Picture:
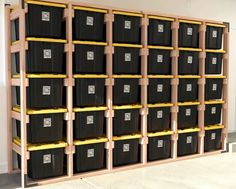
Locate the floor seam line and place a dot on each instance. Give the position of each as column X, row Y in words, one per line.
column 90, row 183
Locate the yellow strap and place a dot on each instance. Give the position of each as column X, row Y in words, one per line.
column 77, row 42
column 164, row 133
column 38, row 76
column 127, row 76
column 215, row 102
column 90, row 9
column 90, row 141
column 189, row 49
column 213, row 127
column 88, row 109
column 127, row 137
column 216, row 25
column 215, row 51
column 42, row 111
column 187, row 103
column 190, row 21
column 46, row 40
column 215, row 76
column 15, row 42
column 160, row 47
column 160, row 105
column 189, row 130
column 127, row 107
column 160, row 76
column 128, row 13
column 45, row 3
column 161, row 18
column 126, row 45
column 189, row 76
column 89, row 76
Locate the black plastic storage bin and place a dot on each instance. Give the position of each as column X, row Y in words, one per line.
column 159, row 147
column 89, row 123
column 89, row 155
column 89, row 59
column 159, row 61
column 159, row 32
column 43, row 93
column 126, row 29
column 188, row 89
column 158, row 119
column 45, row 163
column 213, row 64
column 89, row 92
column 89, row 25
column 126, row 121
column 214, row 37
column 126, row 91
column 126, row 152
column 43, row 57
column 188, row 35
column 126, row 60
column 188, row 63
column 43, row 21
column 212, row 139
column 212, row 114
column 187, row 116
column 213, row 88
column 159, row 90
column 187, row 143
column 43, row 128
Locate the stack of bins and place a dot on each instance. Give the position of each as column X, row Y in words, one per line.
column 159, row 87
column 126, row 89
column 89, row 96
column 213, row 87
column 45, row 69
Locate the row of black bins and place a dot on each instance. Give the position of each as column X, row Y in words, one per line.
column 91, row 155
column 47, row 21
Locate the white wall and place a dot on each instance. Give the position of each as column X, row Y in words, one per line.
column 211, row 9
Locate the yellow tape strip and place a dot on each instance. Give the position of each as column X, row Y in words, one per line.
column 15, row 42
column 164, row 133
column 216, row 25
column 160, row 105
column 90, row 9
column 88, row 109
column 127, row 76
column 189, row 49
column 188, row 76
column 38, row 76
column 90, row 141
column 126, row 45
column 161, row 18
column 127, row 13
column 77, row 42
column 189, row 130
column 127, row 107
column 127, row 137
column 215, row 51
column 215, row 102
column 215, row 76
column 46, row 4
column 89, row 76
column 42, row 111
column 49, row 40
column 187, row 103
column 160, row 47
column 160, row 76
column 190, row 22
column 213, row 127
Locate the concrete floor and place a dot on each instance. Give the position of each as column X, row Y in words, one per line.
column 212, row 172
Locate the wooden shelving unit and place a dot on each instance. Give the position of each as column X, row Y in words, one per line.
column 69, row 82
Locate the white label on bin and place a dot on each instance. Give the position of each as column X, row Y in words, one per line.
column 159, row 58
column 126, row 148
column 188, row 112
column 127, row 57
column 47, row 122
column 214, row 60
column 47, row 53
column 90, row 153
column 91, row 89
column 189, row 139
column 89, row 21
column 214, row 87
column 127, row 116
column 159, row 114
column 90, row 55
column 214, row 33
column 213, row 110
column 190, row 59
column 189, row 87
column 159, row 88
column 213, row 136
column 45, row 16
column 189, row 31
column 47, row 158
column 126, row 88
column 89, row 119
column 127, row 24
column 46, row 90
column 160, row 28
column 160, row 143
